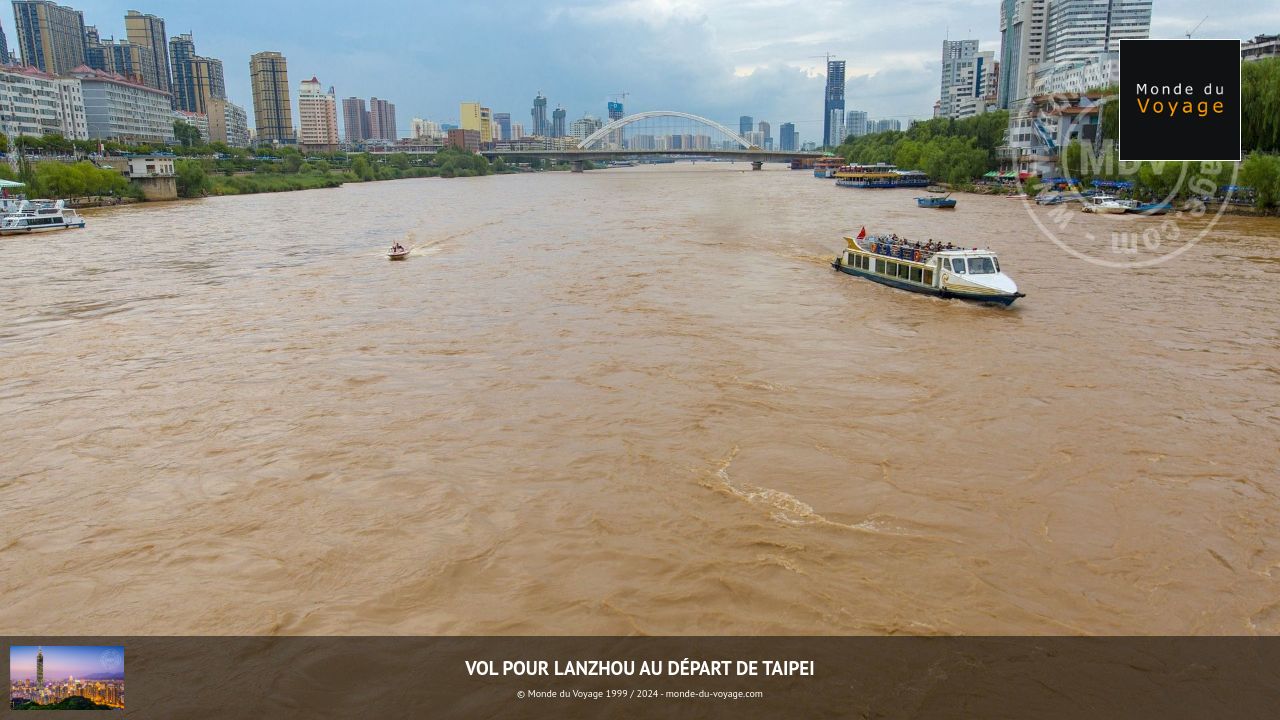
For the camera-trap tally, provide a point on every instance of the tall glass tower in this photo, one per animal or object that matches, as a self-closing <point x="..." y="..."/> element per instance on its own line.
<point x="833" y="108"/>
<point x="40" y="667"/>
<point x="539" y="113"/>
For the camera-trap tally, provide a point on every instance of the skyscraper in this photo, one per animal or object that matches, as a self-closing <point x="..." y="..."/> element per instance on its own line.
<point x="181" y="49"/>
<point x="4" y="47"/>
<point x="1079" y="30"/>
<point x="765" y="131"/>
<point x="382" y="120"/>
<point x="558" y="122"/>
<point x="833" y="105"/>
<point x="148" y="31"/>
<point x="539" y="113"/>
<point x="855" y="123"/>
<point x="967" y="74"/>
<point x="136" y="62"/>
<point x="355" y="120"/>
<point x="1022" y="25"/>
<point x="317" y="117"/>
<point x="502" y="121"/>
<point x="469" y="116"/>
<point x="787" y="137"/>
<point x="40" y="667"/>
<point x="745" y="125"/>
<point x="50" y="36"/>
<point x="272" y="112"/>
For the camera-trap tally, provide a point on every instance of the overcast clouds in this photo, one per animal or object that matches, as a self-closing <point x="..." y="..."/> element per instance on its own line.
<point x="718" y="58"/>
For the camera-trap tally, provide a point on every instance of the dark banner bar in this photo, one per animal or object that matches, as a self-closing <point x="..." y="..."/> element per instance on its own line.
<point x="695" y="677"/>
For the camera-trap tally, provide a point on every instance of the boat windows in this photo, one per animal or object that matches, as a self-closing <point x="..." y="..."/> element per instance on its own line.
<point x="981" y="266"/>
<point x="957" y="265"/>
<point x="880" y="266"/>
<point x="904" y="270"/>
<point x="915" y="274"/>
<point x="928" y="276"/>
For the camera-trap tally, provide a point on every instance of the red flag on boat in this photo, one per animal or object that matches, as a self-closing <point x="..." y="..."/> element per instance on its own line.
<point x="863" y="232"/>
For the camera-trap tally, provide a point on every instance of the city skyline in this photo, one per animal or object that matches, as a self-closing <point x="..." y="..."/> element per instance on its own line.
<point x="63" y="661"/>
<point x="728" y="59"/>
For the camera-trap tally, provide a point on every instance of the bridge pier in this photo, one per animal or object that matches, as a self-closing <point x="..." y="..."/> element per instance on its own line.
<point x="579" y="166"/>
<point x="757" y="164"/>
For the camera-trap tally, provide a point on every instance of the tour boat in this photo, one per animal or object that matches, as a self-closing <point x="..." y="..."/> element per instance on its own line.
<point x="1050" y="199"/>
<point x="879" y="175"/>
<point x="952" y="273"/>
<point x="944" y="203"/>
<point x="826" y="167"/>
<point x="1108" y="205"/>
<point x="398" y="253"/>
<point x="40" y="216"/>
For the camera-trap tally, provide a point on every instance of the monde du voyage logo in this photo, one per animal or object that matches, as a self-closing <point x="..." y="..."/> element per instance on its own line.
<point x="1180" y="100"/>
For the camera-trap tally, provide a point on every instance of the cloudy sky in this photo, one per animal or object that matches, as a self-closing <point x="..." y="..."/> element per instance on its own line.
<point x="717" y="58"/>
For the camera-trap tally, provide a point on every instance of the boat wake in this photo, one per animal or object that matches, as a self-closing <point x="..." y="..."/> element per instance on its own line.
<point x="787" y="508"/>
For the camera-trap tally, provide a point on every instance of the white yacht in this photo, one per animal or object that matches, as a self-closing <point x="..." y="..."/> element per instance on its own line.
<point x="39" y="216"/>
<point x="954" y="272"/>
<point x="1108" y="205"/>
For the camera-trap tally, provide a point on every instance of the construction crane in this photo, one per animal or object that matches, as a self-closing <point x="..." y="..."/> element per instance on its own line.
<point x="1197" y="27"/>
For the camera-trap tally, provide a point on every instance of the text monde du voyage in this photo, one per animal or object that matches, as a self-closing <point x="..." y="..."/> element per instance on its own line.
<point x="623" y="668"/>
<point x="1179" y="100"/>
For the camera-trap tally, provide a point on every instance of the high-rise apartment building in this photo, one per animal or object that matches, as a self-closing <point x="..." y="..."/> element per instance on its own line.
<point x="382" y="120"/>
<point x="228" y="123"/>
<point x="317" y="117"/>
<point x="1022" y="36"/>
<point x="469" y="116"/>
<point x="50" y="36"/>
<point x="855" y="123"/>
<point x="4" y="47"/>
<point x="486" y="125"/>
<point x="355" y="120"/>
<point x="541" y="128"/>
<point x="148" y="31"/>
<point x="746" y="124"/>
<point x="1080" y="30"/>
<point x="502" y="126"/>
<point x="967" y="76"/>
<point x="272" y="111"/>
<point x="767" y="133"/>
<point x="833" y="104"/>
<point x="789" y="139"/>
<point x="181" y="49"/>
<point x="558" y="128"/>
<point x="197" y="80"/>
<point x="136" y="62"/>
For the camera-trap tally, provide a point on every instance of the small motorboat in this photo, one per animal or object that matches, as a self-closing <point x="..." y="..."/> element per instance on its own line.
<point x="1050" y="199"/>
<point x="1159" y="208"/>
<point x="398" y="252"/>
<point x="1108" y="205"/>
<point x="943" y="203"/>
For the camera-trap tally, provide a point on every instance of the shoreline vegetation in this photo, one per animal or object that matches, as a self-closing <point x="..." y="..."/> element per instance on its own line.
<point x="52" y="166"/>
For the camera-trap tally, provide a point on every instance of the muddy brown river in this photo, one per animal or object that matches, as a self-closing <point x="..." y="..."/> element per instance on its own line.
<point x="633" y="401"/>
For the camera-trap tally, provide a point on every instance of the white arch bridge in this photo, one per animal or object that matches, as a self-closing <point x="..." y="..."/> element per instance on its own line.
<point x="607" y="143"/>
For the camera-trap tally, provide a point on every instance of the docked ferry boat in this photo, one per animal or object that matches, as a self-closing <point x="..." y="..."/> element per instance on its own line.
<point x="879" y="175"/>
<point x="40" y="216"/>
<point x="826" y="167"/>
<point x="950" y="273"/>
